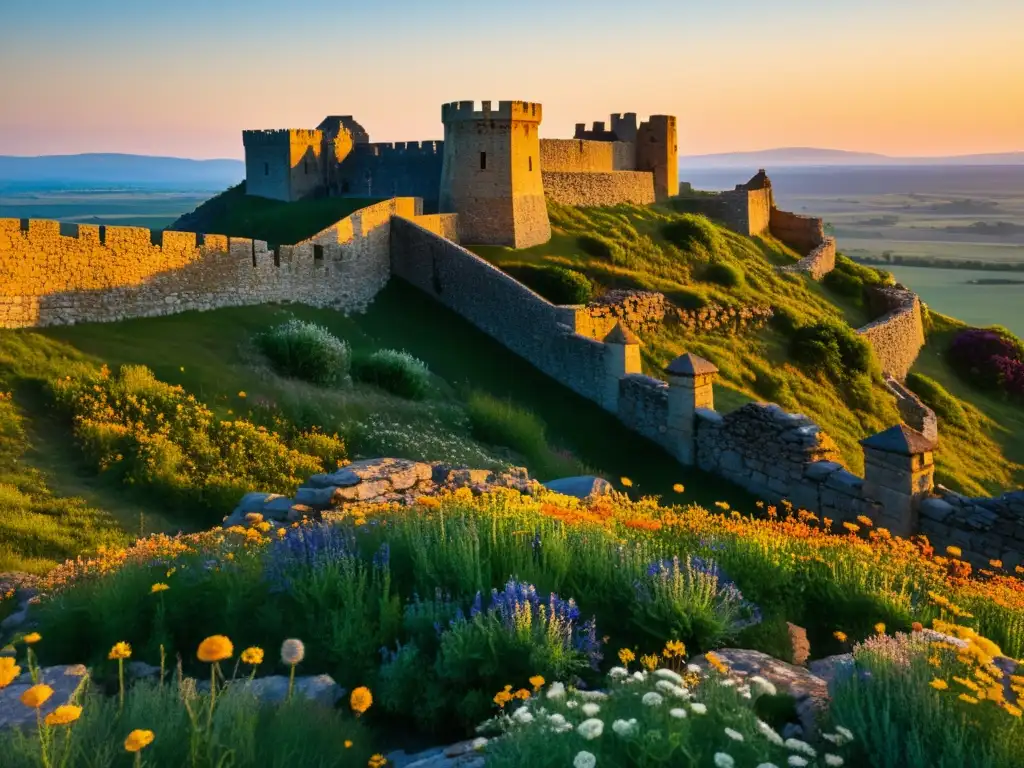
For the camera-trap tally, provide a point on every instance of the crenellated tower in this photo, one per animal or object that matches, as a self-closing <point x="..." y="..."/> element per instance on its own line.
<point x="490" y="174"/>
<point x="658" y="153"/>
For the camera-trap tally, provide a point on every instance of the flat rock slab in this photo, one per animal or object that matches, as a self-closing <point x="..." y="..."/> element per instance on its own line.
<point x="581" y="487"/>
<point x="464" y="754"/>
<point x="319" y="689"/>
<point x="64" y="680"/>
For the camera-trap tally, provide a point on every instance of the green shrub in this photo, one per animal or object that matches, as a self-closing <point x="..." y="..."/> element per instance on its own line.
<point x="723" y="274"/>
<point x="832" y="349"/>
<point x="936" y="397"/>
<point x="398" y="372"/>
<point x="844" y="284"/>
<point x="305" y="351"/>
<point x="687" y="299"/>
<point x="694" y="234"/>
<point x="558" y="285"/>
<point x="597" y="246"/>
<point x="848" y="278"/>
<point x="784" y="320"/>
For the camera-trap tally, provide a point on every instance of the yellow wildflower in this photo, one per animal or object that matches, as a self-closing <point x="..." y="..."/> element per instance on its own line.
<point x="361" y="699"/>
<point x="626" y="656"/>
<point x="32" y="637"/>
<point x="348" y="743"/>
<point x="215" y="648"/>
<point x="997" y="564"/>
<point x="9" y="671"/>
<point x="953" y="551"/>
<point x="537" y="682"/>
<point x="241" y="394"/>
<point x="840" y="636"/>
<point x="968" y="699"/>
<point x="851" y="527"/>
<point x="253" y="656"/>
<point x="716" y="662"/>
<point x="649" y="662"/>
<point x="674" y="648"/>
<point x="159" y="587"/>
<point x="880" y="628"/>
<point x="36" y="696"/>
<point x="64" y="715"/>
<point x="522" y="694"/>
<point x="138" y="740"/>
<point x="865" y="521"/>
<point x="501" y="698"/>
<point x="120" y="651"/>
<point x="678" y="488"/>
<point x="939" y="685"/>
<point x="626" y="482"/>
<point x="377" y="761"/>
<point x="1011" y="709"/>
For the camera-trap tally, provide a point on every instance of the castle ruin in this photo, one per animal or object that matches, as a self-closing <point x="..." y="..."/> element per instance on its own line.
<point x="492" y="168"/>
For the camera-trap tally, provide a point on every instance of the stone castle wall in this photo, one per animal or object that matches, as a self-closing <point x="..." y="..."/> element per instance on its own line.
<point x="599" y="189"/>
<point x="533" y="328"/>
<point x="984" y="528"/>
<point x="100" y="274"/>
<point x="582" y="156"/>
<point x="801" y="233"/>
<point x="818" y="263"/>
<point x="410" y="169"/>
<point x="643" y="407"/>
<point x="898" y="335"/>
<point x="639" y="311"/>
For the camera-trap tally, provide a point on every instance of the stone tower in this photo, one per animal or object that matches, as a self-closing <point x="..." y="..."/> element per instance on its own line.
<point x="658" y="153"/>
<point x="490" y="174"/>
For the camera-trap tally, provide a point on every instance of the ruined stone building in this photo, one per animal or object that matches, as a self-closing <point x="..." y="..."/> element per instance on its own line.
<point x="492" y="168"/>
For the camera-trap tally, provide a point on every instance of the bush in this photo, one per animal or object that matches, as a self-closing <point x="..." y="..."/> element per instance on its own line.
<point x="305" y="351"/>
<point x="398" y="372"/>
<point x="784" y="320"/>
<point x="151" y="434"/>
<point x="935" y="396"/>
<point x="598" y="247"/>
<point x="723" y="274"/>
<point x="556" y="284"/>
<point x="992" y="358"/>
<point x="849" y="278"/>
<point x="687" y="299"/>
<point x="694" y="234"/>
<point x="832" y="349"/>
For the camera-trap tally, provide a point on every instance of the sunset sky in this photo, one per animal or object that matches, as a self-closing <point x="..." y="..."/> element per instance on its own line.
<point x="184" y="77"/>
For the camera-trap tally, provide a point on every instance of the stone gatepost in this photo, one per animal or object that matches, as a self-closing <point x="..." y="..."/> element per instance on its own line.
<point x="622" y="356"/>
<point x="690" y="386"/>
<point x="899" y="471"/>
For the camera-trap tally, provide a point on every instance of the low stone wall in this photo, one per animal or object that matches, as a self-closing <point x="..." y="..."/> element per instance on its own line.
<point x="983" y="528"/>
<point x="599" y="189"/>
<point x="818" y="263"/>
<point x="898" y="335"/>
<point x="581" y="155"/>
<point x="640" y="311"/>
<point x="801" y="233"/>
<point x="643" y="406"/>
<point x="60" y="274"/>
<point x="718" y="318"/>
<point x="503" y="308"/>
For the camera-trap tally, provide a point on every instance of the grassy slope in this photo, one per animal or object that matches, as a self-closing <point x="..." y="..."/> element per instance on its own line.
<point x="233" y="213"/>
<point x="753" y="366"/>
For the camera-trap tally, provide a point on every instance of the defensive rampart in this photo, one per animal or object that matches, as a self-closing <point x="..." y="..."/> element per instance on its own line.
<point x="599" y="189"/>
<point x="818" y="263"/>
<point x="59" y="274"/>
<point x="581" y="156"/>
<point x="897" y="336"/>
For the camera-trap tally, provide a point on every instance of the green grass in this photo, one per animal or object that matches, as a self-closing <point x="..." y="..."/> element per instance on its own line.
<point x="234" y="213"/>
<point x="639" y="248"/>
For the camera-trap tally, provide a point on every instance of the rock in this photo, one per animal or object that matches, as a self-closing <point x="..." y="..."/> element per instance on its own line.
<point x="342" y="478"/>
<point x="792" y="731"/>
<point x="299" y="511"/>
<point x="581" y="487"/>
<point x="320" y="689"/>
<point x="140" y="669"/>
<point x="15" y="620"/>
<point x="800" y="644"/>
<point x="834" y="669"/>
<point x="65" y="681"/>
<point x="317" y="498"/>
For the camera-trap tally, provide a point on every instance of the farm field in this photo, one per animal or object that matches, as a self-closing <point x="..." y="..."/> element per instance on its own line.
<point x="953" y="292"/>
<point x="110" y="207"/>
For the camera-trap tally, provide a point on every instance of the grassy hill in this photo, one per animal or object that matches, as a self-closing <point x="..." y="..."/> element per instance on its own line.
<point x="696" y="263"/>
<point x="279" y="223"/>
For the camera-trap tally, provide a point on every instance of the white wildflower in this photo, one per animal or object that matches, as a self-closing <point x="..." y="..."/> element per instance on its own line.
<point x="767" y="765"/>
<point x="727" y="683"/>
<point x="733" y="734"/>
<point x="723" y="760"/>
<point x="590" y="729"/>
<point x="523" y="715"/>
<point x="744" y="691"/>
<point x="801" y="746"/>
<point x="667" y="686"/>
<point x="639" y="676"/>
<point x="590" y="709"/>
<point x="796" y="761"/>
<point x="668" y="674"/>
<point x="694" y="668"/>
<point x="617" y="673"/>
<point x="557" y="718"/>
<point x="625" y="727"/>
<point x="769" y="733"/>
<point x="698" y="708"/>
<point x="765" y="686"/>
<point x="479" y="743"/>
<point x="833" y="760"/>
<point x="593" y="695"/>
<point x="571" y="704"/>
<point x="556" y="691"/>
<point x="584" y="760"/>
<point x="652" y="699"/>
<point x="678" y="712"/>
<point x="846" y="733"/>
<point x="835" y="738"/>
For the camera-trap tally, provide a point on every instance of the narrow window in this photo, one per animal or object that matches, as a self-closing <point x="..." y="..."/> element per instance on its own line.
<point x="483" y="161"/>
<point x="266" y="169"/>
<point x="318" y="253"/>
<point x="305" y="166"/>
<point x="530" y="163"/>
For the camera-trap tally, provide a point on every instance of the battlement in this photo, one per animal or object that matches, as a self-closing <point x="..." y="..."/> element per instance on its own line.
<point x="401" y="148"/>
<point x="279" y="136"/>
<point x="525" y="111"/>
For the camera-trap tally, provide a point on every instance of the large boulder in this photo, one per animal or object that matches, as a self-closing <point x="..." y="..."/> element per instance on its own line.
<point x="65" y="681"/>
<point x="582" y="487"/>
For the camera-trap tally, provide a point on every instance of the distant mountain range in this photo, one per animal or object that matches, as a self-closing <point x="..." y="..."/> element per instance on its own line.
<point x="108" y="169"/>
<point x="789" y="157"/>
